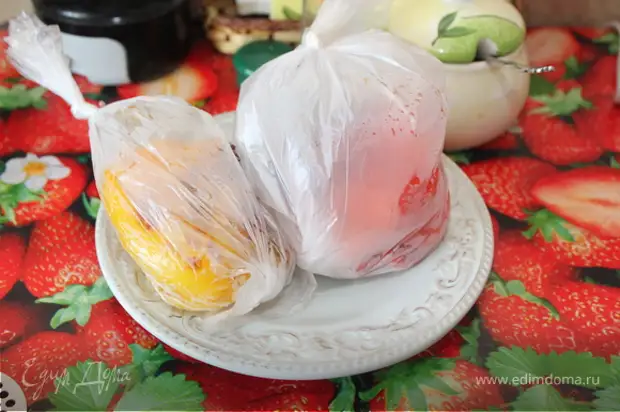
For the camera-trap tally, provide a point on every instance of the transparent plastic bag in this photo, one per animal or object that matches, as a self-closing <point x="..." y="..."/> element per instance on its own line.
<point x="342" y="138"/>
<point x="172" y="188"/>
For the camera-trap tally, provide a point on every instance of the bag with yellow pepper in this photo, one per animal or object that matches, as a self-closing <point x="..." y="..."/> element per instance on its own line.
<point x="172" y="188"/>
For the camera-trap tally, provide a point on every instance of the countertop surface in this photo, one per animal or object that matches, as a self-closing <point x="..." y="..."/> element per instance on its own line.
<point x="544" y="334"/>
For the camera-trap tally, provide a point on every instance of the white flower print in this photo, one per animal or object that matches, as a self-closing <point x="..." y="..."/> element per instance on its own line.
<point x="33" y="171"/>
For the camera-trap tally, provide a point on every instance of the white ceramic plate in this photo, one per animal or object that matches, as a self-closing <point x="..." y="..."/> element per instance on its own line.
<point x="349" y="327"/>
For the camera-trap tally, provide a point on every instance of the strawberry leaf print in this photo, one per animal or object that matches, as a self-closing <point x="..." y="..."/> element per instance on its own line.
<point x="404" y="381"/>
<point x="515" y="363"/>
<point x="91" y="205"/>
<point x="574" y="68"/>
<point x="78" y="300"/>
<point x="145" y="363"/>
<point x="12" y="80"/>
<point x="11" y="196"/>
<point x="607" y="399"/>
<point x="540" y="86"/>
<point x="471" y="335"/>
<point x="548" y="224"/>
<point x="546" y="398"/>
<point x="517" y="288"/>
<point x="609" y="40"/>
<point x="615" y="365"/>
<point x="345" y="397"/>
<point x="584" y="369"/>
<point x="614" y="163"/>
<point x="84" y="159"/>
<point x="446" y="30"/>
<point x="93" y="96"/>
<point x="561" y="103"/>
<point x="21" y="97"/>
<point x="166" y="392"/>
<point x="87" y="386"/>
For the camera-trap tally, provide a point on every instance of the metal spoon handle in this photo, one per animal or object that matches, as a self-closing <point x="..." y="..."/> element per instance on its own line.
<point x="524" y="69"/>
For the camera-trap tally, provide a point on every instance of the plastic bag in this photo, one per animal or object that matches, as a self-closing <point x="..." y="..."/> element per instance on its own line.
<point x="172" y="188"/>
<point x="342" y="138"/>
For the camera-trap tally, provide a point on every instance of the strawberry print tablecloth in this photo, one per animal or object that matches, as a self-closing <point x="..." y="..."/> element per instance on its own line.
<point x="544" y="335"/>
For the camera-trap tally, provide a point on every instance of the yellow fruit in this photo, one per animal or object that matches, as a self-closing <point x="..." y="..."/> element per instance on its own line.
<point x="194" y="258"/>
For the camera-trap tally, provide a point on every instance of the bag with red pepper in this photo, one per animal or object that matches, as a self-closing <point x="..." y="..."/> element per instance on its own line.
<point x="342" y="139"/>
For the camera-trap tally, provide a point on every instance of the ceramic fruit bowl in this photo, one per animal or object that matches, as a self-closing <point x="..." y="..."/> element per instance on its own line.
<point x="485" y="100"/>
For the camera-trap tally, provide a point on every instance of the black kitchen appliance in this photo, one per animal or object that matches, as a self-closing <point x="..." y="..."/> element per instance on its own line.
<point x="114" y="42"/>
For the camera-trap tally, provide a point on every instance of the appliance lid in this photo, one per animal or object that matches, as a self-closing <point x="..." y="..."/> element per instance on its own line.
<point x="103" y="12"/>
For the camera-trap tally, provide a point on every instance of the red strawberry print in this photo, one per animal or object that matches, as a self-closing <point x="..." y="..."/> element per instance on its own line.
<point x="588" y="54"/>
<point x="223" y="101"/>
<point x="19" y="321"/>
<point x="36" y="362"/>
<point x="58" y="256"/>
<point x="507" y="141"/>
<point x="12" y="251"/>
<point x="91" y="190"/>
<point x="7" y="145"/>
<point x="505" y="183"/>
<point x="571" y="244"/>
<point x="516" y="258"/>
<point x="513" y="306"/>
<point x="49" y="130"/>
<point x="225" y="98"/>
<point x="495" y="225"/>
<point x="602" y="123"/>
<point x="594" y="311"/>
<point x="222" y="65"/>
<point x="519" y="318"/>
<point x="109" y="332"/>
<point x="6" y="68"/>
<point x="600" y="79"/>
<point x="548" y="128"/>
<point x="179" y="355"/>
<point x="86" y="87"/>
<point x="588" y="197"/>
<point x="433" y="384"/>
<point x="551" y="46"/>
<point x="227" y="391"/>
<point x="591" y="33"/>
<point x="447" y="347"/>
<point x="35" y="188"/>
<point x="194" y="81"/>
<point x="49" y="233"/>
